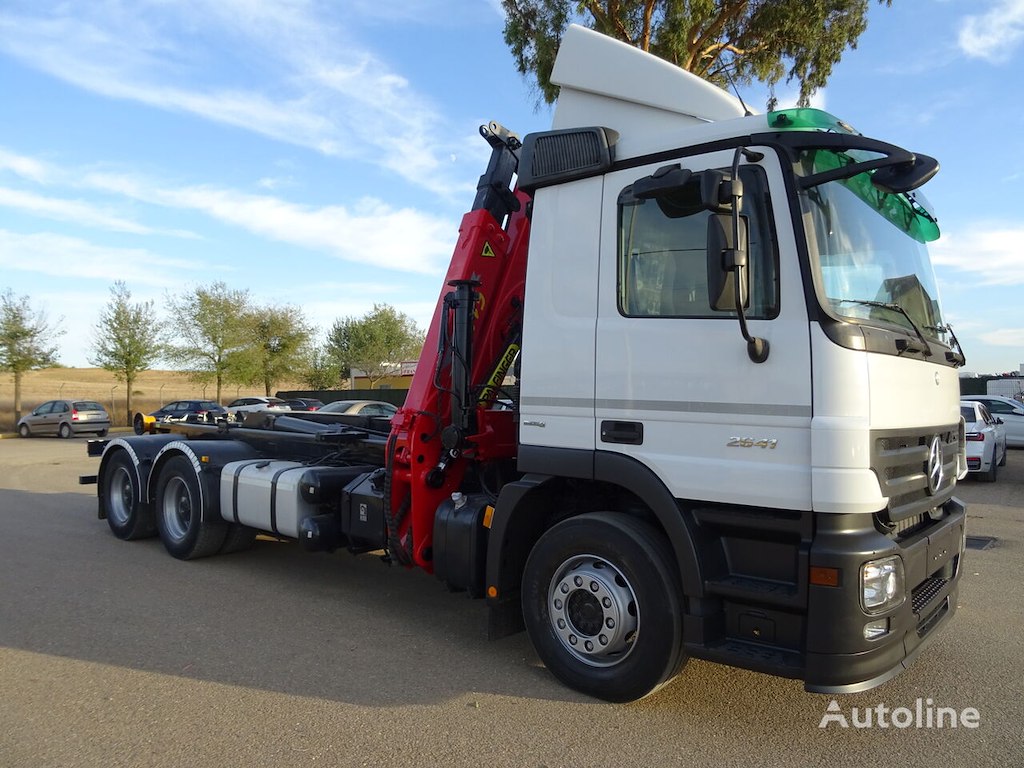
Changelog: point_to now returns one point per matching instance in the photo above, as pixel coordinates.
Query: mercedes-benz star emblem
(934, 465)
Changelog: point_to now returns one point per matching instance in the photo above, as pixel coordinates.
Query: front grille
(908, 526)
(900, 461)
(925, 592)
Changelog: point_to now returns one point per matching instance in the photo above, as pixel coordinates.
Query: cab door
(675, 388)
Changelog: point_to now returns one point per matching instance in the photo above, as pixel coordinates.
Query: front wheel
(187, 529)
(602, 606)
(24, 431)
(138, 424)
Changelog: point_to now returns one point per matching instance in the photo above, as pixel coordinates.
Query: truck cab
(797, 454)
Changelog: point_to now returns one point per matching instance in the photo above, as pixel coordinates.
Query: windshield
(872, 262)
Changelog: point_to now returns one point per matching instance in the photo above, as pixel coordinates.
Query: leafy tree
(719, 40)
(208, 333)
(277, 345)
(320, 370)
(375, 343)
(127, 339)
(26, 340)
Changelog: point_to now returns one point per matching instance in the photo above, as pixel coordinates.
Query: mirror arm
(736, 261)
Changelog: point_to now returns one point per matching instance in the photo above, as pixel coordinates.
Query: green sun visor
(881, 175)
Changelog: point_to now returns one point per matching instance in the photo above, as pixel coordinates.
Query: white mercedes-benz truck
(735, 432)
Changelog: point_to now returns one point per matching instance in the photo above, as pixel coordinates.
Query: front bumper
(838, 658)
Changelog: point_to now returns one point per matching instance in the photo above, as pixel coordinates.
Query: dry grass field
(153, 389)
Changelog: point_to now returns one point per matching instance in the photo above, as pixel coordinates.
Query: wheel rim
(177, 508)
(593, 610)
(121, 496)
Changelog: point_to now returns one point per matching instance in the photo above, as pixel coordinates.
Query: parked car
(1009, 410)
(243, 405)
(361, 408)
(65, 418)
(304, 404)
(178, 410)
(986, 440)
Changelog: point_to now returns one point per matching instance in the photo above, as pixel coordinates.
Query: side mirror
(905, 177)
(727, 262)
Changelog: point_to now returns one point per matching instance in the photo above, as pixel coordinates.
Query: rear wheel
(188, 521)
(602, 605)
(65, 430)
(138, 424)
(993, 468)
(102, 433)
(24, 431)
(127, 517)
(1002, 461)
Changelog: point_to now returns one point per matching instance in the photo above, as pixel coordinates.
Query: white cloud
(68, 257)
(991, 253)
(373, 233)
(290, 72)
(1005, 337)
(368, 232)
(995, 35)
(26, 167)
(77, 212)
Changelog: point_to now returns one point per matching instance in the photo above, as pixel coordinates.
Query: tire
(187, 530)
(24, 431)
(102, 433)
(138, 424)
(64, 431)
(1002, 461)
(127, 517)
(588, 584)
(238, 539)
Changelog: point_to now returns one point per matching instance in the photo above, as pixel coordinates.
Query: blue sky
(321, 153)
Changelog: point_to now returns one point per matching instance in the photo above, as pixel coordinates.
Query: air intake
(555, 157)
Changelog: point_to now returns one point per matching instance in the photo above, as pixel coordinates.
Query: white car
(1009, 410)
(986, 440)
(243, 405)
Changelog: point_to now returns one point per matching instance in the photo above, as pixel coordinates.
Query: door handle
(622, 432)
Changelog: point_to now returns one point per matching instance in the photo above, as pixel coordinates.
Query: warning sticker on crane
(487, 252)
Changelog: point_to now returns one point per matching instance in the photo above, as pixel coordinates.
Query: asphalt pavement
(115, 654)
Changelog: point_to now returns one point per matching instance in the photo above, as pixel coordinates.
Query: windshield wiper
(904, 347)
(957, 355)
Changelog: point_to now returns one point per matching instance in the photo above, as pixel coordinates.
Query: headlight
(881, 584)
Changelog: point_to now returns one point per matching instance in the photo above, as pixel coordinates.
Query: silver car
(65, 418)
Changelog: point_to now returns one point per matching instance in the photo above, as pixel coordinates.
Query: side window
(662, 264)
